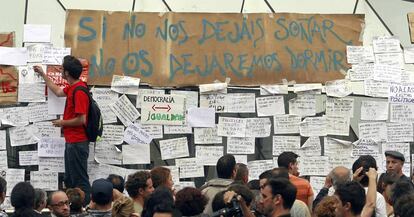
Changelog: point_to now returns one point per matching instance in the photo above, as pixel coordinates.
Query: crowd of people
(276, 192)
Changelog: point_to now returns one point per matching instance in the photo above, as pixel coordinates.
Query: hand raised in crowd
(357, 176)
(38, 69)
(372, 173)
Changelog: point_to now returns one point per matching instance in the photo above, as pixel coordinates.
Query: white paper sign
(315, 88)
(241, 159)
(314, 166)
(313, 126)
(240, 103)
(36, 33)
(270, 106)
(34, 92)
(28, 75)
(385, 44)
(54, 55)
(154, 130)
(52, 164)
(391, 59)
(312, 147)
(303, 105)
(39, 112)
(359, 54)
(201, 117)
(45, 129)
(136, 154)
(174, 148)
(338, 88)
(361, 72)
(55, 104)
(3, 163)
(107, 153)
(27, 158)
(374, 110)
(340, 107)
(376, 131)
(191, 97)
(317, 184)
(334, 146)
(286, 124)
(3, 140)
(177, 129)
(163, 109)
(105, 97)
(125, 110)
(400, 93)
(387, 73)
(258, 166)
(113, 134)
(273, 89)
(365, 147)
(13, 56)
(401, 113)
(13, 176)
(208, 155)
(258, 127)
(35, 52)
(409, 54)
(21, 136)
(15, 116)
(337, 125)
(400, 132)
(233, 127)
(240, 145)
(44, 180)
(206, 136)
(51, 147)
(215, 101)
(189, 168)
(285, 143)
(142, 92)
(376, 88)
(134, 134)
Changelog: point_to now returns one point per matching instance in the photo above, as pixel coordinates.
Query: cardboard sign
(184, 49)
(163, 109)
(7, 39)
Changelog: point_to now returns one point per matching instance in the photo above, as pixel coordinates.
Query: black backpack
(94, 126)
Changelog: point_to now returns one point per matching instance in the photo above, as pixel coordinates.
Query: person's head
(366, 162)
(161, 176)
(264, 177)
(71, 67)
(277, 196)
(350, 199)
(340, 175)
(385, 183)
(58, 204)
(76, 198)
(394, 162)
(326, 208)
(242, 173)
(101, 192)
(289, 161)
(404, 207)
(122, 207)
(280, 172)
(139, 184)
(3, 189)
(40, 199)
(226, 167)
(190, 201)
(22, 199)
(160, 201)
(399, 189)
(117, 181)
(243, 191)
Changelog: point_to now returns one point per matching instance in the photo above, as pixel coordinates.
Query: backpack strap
(83, 89)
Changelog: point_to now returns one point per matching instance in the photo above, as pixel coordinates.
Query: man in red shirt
(74, 119)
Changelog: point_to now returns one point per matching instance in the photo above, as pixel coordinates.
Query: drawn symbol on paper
(168, 108)
(24, 72)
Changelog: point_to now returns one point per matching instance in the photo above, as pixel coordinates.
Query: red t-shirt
(75, 134)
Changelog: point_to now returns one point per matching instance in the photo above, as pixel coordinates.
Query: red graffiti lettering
(7, 88)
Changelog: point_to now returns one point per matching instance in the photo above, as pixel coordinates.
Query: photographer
(229, 203)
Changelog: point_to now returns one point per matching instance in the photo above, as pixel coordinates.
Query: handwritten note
(376, 88)
(207, 136)
(27, 158)
(401, 93)
(361, 72)
(107, 153)
(285, 143)
(142, 92)
(401, 113)
(318, 182)
(313, 126)
(201, 117)
(400, 132)
(365, 147)
(125, 110)
(51, 147)
(208, 155)
(258, 166)
(215, 101)
(52, 164)
(311, 147)
(359, 54)
(385, 44)
(3, 140)
(233, 127)
(345, 160)
(241, 158)
(191, 97)
(376, 131)
(286, 124)
(213, 88)
(334, 146)
(189, 168)
(105, 97)
(39, 112)
(314, 166)
(387, 73)
(270, 106)
(35, 52)
(54, 55)
(340, 107)
(36, 33)
(3, 163)
(409, 54)
(113, 134)
(13, 176)
(21, 136)
(174, 148)
(154, 130)
(240, 103)
(258, 127)
(44, 180)
(338, 88)
(178, 129)
(273, 89)
(44, 129)
(134, 134)
(163, 109)
(125, 84)
(391, 59)
(374, 110)
(15, 116)
(240, 145)
(303, 105)
(337, 125)
(136, 154)
(27, 75)
(34, 92)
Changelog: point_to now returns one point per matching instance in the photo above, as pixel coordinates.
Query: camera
(234, 210)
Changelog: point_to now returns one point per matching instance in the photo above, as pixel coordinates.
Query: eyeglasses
(62, 203)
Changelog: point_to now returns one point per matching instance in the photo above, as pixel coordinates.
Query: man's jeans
(76, 167)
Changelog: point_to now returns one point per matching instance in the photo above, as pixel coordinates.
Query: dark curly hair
(136, 181)
(190, 201)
